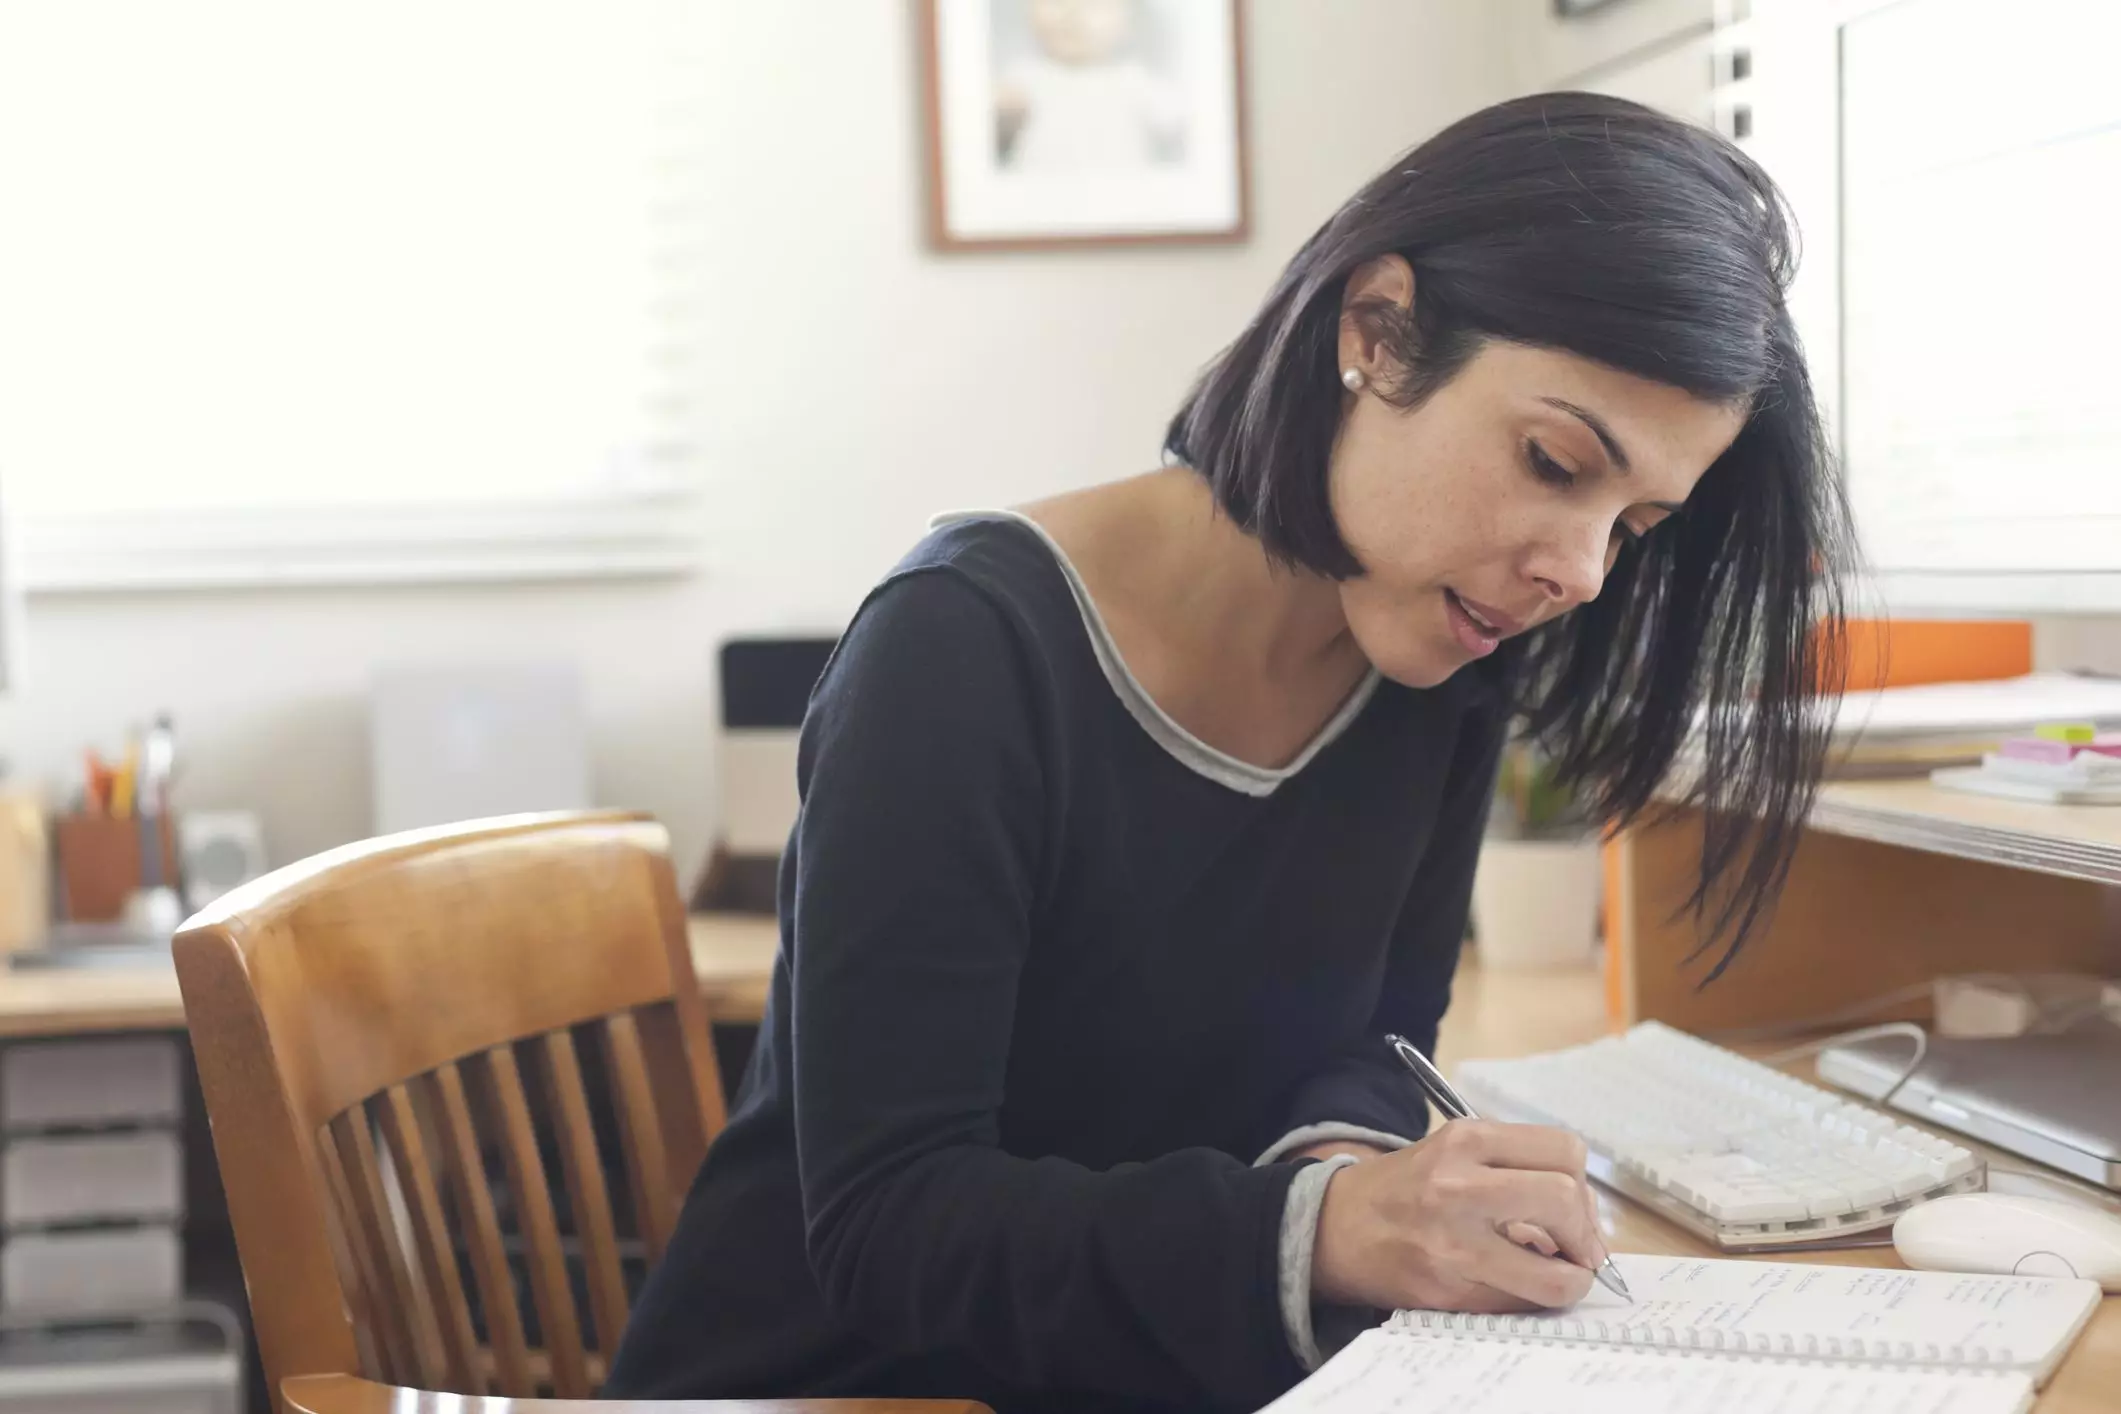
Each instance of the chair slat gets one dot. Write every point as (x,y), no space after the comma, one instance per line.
(489,1259)
(421,1312)
(431,1240)
(640,1132)
(418,1301)
(398,1302)
(377,1327)
(674,1074)
(356,1290)
(557,1320)
(586,1193)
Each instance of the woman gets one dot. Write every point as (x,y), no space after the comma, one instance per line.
(1133,820)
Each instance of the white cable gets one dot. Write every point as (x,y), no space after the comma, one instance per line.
(1891,1028)
(2047,1023)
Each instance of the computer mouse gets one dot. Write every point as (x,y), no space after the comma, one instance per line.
(2012,1235)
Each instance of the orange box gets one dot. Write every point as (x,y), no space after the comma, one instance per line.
(1885,654)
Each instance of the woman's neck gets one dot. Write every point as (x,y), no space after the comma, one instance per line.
(1279,621)
(1252,657)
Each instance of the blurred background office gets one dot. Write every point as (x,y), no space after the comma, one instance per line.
(340,337)
(345,340)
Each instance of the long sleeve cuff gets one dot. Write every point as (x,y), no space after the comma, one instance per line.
(1299,1240)
(1299,1230)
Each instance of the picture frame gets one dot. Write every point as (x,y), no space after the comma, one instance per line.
(1053,124)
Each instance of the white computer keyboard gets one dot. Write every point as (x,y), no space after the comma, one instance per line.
(1736,1151)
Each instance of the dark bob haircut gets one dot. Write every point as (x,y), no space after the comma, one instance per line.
(1599,227)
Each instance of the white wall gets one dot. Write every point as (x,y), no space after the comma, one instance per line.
(1549,51)
(862,384)
(2086,643)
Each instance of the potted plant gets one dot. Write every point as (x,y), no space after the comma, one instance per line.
(1536,892)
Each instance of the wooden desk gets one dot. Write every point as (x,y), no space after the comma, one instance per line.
(1513,1014)
(339,1394)
(732,954)
(65,1001)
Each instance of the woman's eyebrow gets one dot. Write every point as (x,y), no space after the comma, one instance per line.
(1598,427)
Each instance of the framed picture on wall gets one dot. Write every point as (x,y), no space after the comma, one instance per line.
(1052,123)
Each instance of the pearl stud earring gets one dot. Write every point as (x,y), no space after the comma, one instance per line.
(1351,379)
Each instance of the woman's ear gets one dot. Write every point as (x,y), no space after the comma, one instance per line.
(1387,280)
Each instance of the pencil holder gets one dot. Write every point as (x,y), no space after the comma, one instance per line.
(100,858)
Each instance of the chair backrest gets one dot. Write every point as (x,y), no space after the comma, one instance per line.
(393,1037)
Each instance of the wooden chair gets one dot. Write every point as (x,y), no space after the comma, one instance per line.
(374,1026)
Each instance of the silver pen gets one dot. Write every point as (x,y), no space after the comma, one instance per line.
(1454,1106)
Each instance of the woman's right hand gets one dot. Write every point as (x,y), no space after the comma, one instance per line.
(1440,1224)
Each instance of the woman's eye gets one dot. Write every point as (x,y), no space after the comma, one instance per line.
(1553,473)
(1546,468)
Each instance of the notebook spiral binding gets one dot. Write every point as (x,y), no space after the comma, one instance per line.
(1620,1335)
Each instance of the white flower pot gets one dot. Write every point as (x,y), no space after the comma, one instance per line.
(1535,903)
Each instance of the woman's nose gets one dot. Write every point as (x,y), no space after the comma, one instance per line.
(1572,570)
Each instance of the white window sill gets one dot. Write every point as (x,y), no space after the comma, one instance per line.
(624,536)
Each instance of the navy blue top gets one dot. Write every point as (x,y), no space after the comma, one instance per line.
(1045,993)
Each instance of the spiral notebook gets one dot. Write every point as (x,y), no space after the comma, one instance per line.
(1723,1337)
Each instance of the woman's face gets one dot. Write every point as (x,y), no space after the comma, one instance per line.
(1501,501)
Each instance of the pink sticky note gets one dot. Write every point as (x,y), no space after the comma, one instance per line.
(2033,748)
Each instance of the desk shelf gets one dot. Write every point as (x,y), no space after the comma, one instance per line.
(2071,841)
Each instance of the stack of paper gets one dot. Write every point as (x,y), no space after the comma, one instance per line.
(1912,731)
(2069,763)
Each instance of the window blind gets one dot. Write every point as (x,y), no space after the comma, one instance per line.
(1980,147)
(308,291)
(1949,161)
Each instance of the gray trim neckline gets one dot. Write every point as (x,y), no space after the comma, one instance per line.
(1181,745)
